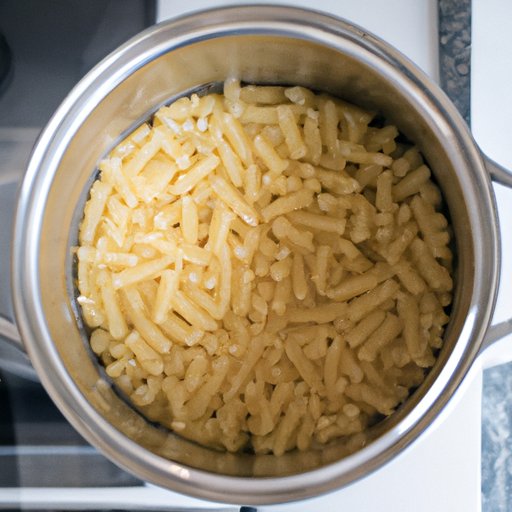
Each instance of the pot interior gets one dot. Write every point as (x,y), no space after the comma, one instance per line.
(127,91)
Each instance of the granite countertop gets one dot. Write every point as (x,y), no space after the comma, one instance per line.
(497,439)
(454,20)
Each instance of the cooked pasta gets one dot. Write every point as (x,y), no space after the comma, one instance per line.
(266,269)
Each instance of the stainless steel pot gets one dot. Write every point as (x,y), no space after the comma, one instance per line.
(260,45)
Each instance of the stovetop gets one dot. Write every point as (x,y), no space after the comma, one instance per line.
(45,47)
(44,463)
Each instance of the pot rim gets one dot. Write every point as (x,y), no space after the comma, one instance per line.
(294,23)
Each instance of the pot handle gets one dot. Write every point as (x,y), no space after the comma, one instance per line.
(496,349)
(10,332)
(497,172)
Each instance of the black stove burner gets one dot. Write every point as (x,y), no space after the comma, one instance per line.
(5,64)
(8,473)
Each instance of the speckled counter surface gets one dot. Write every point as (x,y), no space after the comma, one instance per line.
(497,439)
(455,52)
(455,73)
